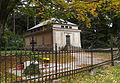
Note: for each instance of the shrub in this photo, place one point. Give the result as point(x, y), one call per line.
point(32, 70)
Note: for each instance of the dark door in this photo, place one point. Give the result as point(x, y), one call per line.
point(67, 39)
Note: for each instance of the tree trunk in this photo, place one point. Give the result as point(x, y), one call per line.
point(6, 7)
point(3, 19)
point(1, 33)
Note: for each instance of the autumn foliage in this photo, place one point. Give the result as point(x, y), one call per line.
point(80, 10)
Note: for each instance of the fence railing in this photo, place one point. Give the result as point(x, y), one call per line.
point(24, 65)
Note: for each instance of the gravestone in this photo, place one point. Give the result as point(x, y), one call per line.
point(27, 63)
point(117, 62)
point(56, 81)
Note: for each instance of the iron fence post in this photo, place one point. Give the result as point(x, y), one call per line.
point(0, 65)
point(0, 43)
point(91, 57)
point(112, 58)
point(56, 58)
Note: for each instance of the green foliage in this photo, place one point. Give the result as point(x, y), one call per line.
point(10, 40)
point(6, 7)
point(39, 58)
point(22, 22)
point(35, 57)
point(92, 39)
point(46, 60)
point(104, 75)
point(101, 72)
point(77, 9)
point(33, 69)
point(101, 37)
point(71, 81)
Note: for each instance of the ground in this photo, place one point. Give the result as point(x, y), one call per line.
point(66, 61)
point(105, 75)
point(80, 60)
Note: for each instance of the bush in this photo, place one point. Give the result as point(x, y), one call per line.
point(32, 70)
point(12, 41)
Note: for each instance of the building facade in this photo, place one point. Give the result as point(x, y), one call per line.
point(54, 31)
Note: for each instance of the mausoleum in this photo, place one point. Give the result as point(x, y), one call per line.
point(53, 31)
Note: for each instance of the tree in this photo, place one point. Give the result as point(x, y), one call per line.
point(79, 9)
point(82, 10)
point(20, 22)
point(6, 7)
point(10, 40)
point(102, 24)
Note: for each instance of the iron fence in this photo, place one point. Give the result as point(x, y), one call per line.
point(38, 66)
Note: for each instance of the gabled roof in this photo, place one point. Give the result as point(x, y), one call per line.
point(52, 20)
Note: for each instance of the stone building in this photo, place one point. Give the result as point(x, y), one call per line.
point(54, 31)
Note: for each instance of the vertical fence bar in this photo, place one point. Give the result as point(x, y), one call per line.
point(1, 58)
point(91, 57)
point(74, 60)
point(49, 65)
point(46, 69)
point(81, 54)
point(52, 57)
point(30, 63)
point(20, 56)
point(75, 54)
point(26, 56)
point(11, 64)
point(56, 59)
point(67, 54)
point(5, 67)
point(65, 61)
point(38, 54)
point(42, 67)
point(112, 58)
point(62, 61)
point(15, 66)
point(0, 62)
point(87, 59)
point(59, 61)
point(34, 63)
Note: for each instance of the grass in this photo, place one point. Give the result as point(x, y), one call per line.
point(12, 51)
point(64, 58)
point(112, 76)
